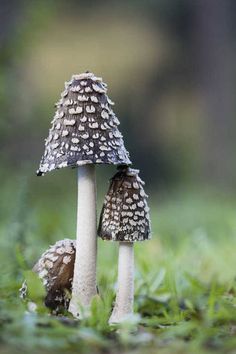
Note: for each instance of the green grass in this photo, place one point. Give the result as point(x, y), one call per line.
point(184, 283)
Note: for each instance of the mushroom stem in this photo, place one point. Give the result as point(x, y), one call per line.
point(125, 293)
point(84, 282)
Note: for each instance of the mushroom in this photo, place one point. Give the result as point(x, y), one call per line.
point(125, 218)
point(56, 267)
point(84, 132)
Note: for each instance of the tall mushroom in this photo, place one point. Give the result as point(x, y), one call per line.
point(84, 132)
point(125, 218)
point(55, 268)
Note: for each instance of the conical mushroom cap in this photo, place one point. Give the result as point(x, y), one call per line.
point(56, 268)
point(125, 213)
point(84, 129)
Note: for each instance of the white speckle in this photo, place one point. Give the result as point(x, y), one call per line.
point(110, 135)
point(76, 110)
point(60, 250)
point(104, 126)
point(116, 120)
point(95, 136)
point(135, 185)
point(75, 140)
point(63, 164)
point(85, 136)
point(135, 196)
point(90, 109)
point(129, 200)
point(69, 122)
point(52, 257)
point(102, 154)
point(103, 138)
point(81, 128)
point(142, 193)
point(69, 249)
point(59, 115)
point(117, 134)
point(91, 144)
point(83, 119)
point(98, 88)
point(48, 264)
point(54, 146)
point(65, 132)
point(83, 83)
point(64, 93)
point(82, 98)
point(85, 147)
point(88, 89)
point(68, 102)
point(104, 114)
point(104, 148)
point(56, 136)
point(133, 206)
point(74, 148)
point(93, 125)
point(67, 146)
point(66, 259)
point(94, 99)
point(110, 101)
point(75, 88)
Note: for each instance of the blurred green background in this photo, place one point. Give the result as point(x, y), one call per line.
point(169, 66)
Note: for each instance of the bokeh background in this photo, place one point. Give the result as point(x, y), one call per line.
point(170, 68)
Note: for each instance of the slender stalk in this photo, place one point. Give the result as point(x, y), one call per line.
point(125, 293)
point(84, 281)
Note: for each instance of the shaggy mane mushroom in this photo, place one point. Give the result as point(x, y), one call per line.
point(125, 218)
point(84, 133)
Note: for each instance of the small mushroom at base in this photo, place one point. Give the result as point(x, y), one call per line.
point(125, 218)
point(56, 267)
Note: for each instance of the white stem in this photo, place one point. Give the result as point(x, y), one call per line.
point(125, 293)
point(84, 280)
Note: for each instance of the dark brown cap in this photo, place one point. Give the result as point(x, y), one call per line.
point(125, 213)
point(84, 129)
point(56, 268)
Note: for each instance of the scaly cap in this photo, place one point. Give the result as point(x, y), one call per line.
point(56, 268)
point(84, 129)
point(125, 213)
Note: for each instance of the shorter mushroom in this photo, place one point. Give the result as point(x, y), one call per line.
point(56, 267)
point(125, 218)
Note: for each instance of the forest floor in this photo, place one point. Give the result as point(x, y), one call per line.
point(185, 283)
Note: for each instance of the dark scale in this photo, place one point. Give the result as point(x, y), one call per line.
point(84, 129)
point(125, 213)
